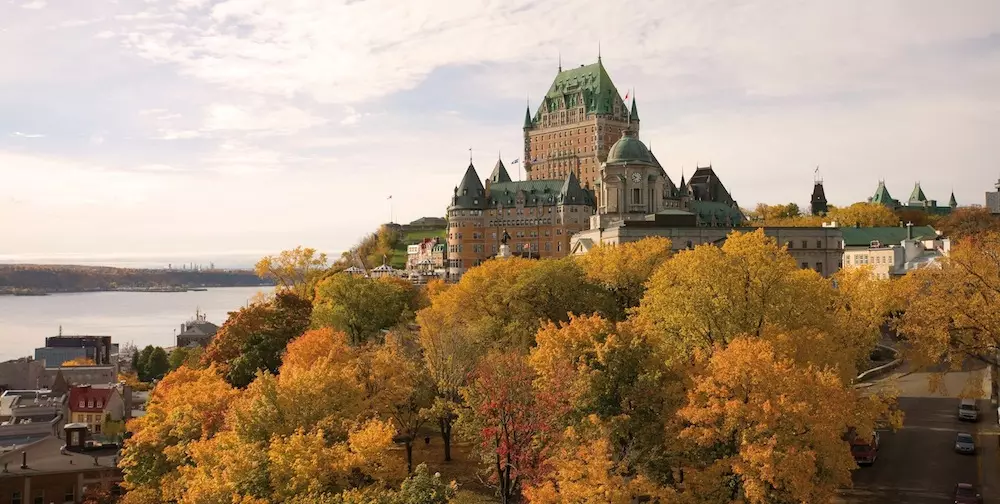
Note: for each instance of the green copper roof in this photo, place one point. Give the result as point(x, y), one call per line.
point(634, 115)
point(882, 196)
point(592, 81)
point(863, 236)
point(952, 202)
point(541, 192)
point(918, 194)
point(717, 213)
point(527, 117)
point(629, 149)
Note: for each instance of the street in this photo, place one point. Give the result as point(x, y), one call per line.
point(918, 463)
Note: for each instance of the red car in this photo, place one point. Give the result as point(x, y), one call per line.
point(967, 494)
point(864, 452)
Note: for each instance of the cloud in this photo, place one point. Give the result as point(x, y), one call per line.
point(259, 118)
point(352, 116)
point(34, 5)
point(26, 135)
point(106, 34)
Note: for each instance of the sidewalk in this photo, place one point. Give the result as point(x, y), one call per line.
point(989, 442)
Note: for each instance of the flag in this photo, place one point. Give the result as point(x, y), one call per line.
point(626, 94)
point(516, 161)
point(816, 170)
point(390, 197)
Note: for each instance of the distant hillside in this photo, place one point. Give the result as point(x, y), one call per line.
point(41, 279)
point(391, 241)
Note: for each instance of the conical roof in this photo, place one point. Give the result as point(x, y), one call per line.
point(634, 115)
point(527, 117)
point(882, 195)
point(499, 173)
point(572, 193)
point(952, 202)
point(470, 192)
point(918, 194)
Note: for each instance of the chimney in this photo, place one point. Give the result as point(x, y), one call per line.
point(24, 460)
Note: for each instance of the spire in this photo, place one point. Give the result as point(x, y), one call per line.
point(527, 116)
point(952, 202)
point(499, 172)
point(634, 115)
point(598, 51)
point(917, 196)
point(560, 61)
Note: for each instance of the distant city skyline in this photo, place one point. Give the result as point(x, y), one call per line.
point(173, 127)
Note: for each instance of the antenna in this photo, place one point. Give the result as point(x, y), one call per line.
point(560, 61)
point(598, 51)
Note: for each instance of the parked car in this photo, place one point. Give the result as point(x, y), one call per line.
point(967, 494)
point(968, 410)
point(865, 451)
point(965, 443)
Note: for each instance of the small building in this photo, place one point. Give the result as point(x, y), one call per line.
point(92, 405)
point(196, 332)
point(96, 348)
point(80, 375)
point(384, 271)
point(993, 199)
point(893, 251)
point(27, 415)
point(21, 374)
point(57, 468)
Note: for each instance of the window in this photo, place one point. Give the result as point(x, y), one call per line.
point(636, 196)
point(805, 244)
point(70, 495)
point(805, 265)
point(690, 245)
point(40, 500)
point(819, 267)
point(97, 428)
point(90, 418)
point(90, 402)
point(83, 404)
point(15, 498)
point(100, 404)
point(559, 246)
point(789, 245)
point(819, 243)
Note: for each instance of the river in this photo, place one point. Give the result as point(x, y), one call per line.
point(143, 318)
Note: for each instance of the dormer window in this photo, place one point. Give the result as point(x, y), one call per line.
point(100, 403)
point(83, 403)
point(90, 403)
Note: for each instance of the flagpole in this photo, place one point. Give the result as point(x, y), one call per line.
point(390, 209)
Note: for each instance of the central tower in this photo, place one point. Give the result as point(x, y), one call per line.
point(579, 119)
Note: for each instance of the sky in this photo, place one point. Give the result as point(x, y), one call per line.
point(187, 128)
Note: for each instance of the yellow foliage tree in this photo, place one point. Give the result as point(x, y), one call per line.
point(295, 270)
point(952, 310)
point(79, 361)
point(774, 428)
point(624, 270)
point(864, 215)
point(751, 286)
point(187, 406)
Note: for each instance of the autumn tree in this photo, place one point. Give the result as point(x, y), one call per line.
point(751, 286)
point(615, 382)
point(362, 307)
point(951, 310)
point(510, 420)
point(864, 215)
point(772, 430)
point(185, 356)
point(188, 405)
point(79, 361)
point(295, 271)
point(254, 337)
point(967, 222)
point(623, 270)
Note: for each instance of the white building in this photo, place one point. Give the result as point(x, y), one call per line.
point(894, 251)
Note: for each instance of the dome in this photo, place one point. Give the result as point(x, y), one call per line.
point(629, 149)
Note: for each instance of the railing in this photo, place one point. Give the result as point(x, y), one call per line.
point(880, 370)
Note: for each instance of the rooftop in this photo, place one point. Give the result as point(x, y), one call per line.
point(45, 456)
point(863, 236)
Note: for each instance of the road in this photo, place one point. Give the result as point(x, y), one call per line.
point(918, 464)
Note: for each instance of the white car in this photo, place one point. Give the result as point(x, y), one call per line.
point(968, 410)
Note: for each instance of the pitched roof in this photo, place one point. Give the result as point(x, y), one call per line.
point(717, 212)
point(470, 192)
point(199, 328)
point(91, 397)
point(634, 115)
point(593, 81)
point(705, 185)
point(499, 173)
point(882, 195)
point(894, 235)
point(541, 192)
point(918, 194)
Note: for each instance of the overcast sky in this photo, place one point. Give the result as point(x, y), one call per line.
point(197, 127)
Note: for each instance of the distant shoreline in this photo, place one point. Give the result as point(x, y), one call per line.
point(44, 279)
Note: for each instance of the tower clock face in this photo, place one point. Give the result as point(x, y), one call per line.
point(636, 177)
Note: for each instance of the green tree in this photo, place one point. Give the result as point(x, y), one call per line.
point(363, 307)
point(254, 337)
point(178, 357)
point(142, 363)
point(158, 365)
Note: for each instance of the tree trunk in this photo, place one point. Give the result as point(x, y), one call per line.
point(409, 457)
point(445, 425)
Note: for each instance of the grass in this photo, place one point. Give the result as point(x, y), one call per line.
point(464, 466)
point(398, 259)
